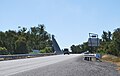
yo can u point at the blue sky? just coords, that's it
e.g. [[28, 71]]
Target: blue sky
[[69, 20]]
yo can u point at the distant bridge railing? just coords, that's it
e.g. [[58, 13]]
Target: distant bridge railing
[[22, 56]]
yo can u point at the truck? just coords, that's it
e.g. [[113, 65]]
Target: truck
[[66, 51]]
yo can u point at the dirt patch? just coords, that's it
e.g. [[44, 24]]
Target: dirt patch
[[112, 59], [118, 68]]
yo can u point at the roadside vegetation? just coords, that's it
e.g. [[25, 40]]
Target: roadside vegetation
[[109, 44], [109, 47], [24, 40], [112, 59]]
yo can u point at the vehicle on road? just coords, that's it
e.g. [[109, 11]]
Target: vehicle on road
[[66, 51]]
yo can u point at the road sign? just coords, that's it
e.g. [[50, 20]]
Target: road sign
[[93, 42]]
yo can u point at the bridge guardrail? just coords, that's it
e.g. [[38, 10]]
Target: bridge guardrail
[[21, 56]]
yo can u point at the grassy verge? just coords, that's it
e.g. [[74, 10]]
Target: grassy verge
[[1, 59], [112, 59]]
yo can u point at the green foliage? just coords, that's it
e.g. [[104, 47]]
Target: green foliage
[[106, 36], [23, 41], [39, 37], [47, 50], [116, 42], [75, 49], [3, 51], [111, 46], [80, 48], [105, 43], [21, 46], [42, 51], [101, 51]]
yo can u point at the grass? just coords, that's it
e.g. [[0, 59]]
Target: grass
[[1, 59], [112, 59]]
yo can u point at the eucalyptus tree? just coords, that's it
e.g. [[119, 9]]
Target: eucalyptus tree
[[2, 39], [10, 38], [21, 46], [23, 40], [105, 36], [116, 41], [39, 37]]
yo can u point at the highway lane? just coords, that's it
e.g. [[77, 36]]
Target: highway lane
[[11, 67], [68, 65]]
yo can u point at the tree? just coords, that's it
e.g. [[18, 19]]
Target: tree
[[111, 45], [116, 41], [109, 36], [15, 41], [21, 46], [39, 37], [104, 36], [73, 48], [106, 41], [2, 39], [10, 38], [76, 49]]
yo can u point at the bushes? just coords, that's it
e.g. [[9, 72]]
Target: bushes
[[3, 51], [21, 46], [23, 41], [101, 51], [46, 50]]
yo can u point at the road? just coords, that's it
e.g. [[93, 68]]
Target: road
[[60, 65]]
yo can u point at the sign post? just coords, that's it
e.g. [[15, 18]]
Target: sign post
[[93, 40]]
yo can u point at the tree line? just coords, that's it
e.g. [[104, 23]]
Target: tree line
[[109, 44], [24, 41]]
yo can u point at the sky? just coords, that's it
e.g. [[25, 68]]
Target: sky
[[70, 21]]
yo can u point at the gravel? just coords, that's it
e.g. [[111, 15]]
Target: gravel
[[74, 67]]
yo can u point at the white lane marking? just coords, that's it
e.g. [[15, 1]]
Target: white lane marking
[[26, 65]]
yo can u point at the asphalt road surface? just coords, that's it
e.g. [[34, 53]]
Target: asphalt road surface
[[60, 65]]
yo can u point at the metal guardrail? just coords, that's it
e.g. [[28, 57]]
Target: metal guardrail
[[92, 57], [89, 55], [21, 56]]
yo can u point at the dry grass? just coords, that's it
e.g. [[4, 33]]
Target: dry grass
[[1, 59], [113, 59]]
